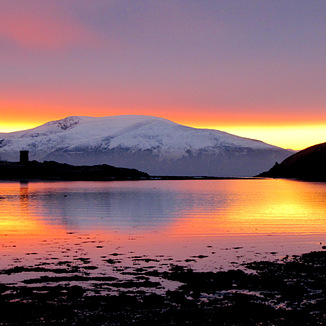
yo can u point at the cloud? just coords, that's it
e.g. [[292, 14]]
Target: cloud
[[42, 25]]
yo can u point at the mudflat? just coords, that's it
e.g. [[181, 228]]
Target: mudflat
[[290, 291]]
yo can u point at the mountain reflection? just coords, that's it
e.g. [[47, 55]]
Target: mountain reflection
[[182, 208], [133, 209]]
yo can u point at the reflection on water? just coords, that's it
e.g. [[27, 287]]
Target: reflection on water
[[198, 208], [174, 217], [110, 208]]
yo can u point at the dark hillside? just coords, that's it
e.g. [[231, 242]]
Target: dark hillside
[[308, 164]]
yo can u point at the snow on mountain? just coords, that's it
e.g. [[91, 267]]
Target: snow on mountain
[[153, 145]]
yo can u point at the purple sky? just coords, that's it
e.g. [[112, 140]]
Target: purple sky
[[201, 63]]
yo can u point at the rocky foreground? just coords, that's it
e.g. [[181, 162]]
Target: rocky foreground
[[287, 292]]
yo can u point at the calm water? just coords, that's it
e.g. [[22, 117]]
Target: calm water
[[203, 224]]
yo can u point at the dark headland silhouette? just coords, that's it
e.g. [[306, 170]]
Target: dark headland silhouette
[[50, 170], [308, 164]]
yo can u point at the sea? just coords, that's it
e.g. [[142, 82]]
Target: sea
[[118, 227]]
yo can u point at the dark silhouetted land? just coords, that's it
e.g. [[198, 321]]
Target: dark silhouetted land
[[308, 164], [50, 170]]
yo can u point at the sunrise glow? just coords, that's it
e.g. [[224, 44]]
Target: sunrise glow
[[294, 137], [289, 137]]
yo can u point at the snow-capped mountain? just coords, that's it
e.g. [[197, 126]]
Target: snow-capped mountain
[[153, 145]]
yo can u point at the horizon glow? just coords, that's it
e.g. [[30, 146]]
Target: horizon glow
[[286, 136]]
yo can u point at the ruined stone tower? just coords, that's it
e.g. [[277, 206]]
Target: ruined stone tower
[[23, 157]]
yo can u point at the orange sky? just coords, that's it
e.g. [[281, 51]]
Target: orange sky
[[290, 133]]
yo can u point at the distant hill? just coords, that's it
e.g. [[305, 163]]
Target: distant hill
[[150, 144], [63, 172], [308, 164]]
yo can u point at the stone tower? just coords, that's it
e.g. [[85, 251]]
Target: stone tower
[[24, 157]]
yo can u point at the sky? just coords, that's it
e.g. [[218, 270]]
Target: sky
[[249, 67]]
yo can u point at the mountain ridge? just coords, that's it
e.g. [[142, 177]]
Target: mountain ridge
[[155, 145]]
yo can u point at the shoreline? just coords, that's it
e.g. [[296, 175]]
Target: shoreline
[[33, 171], [154, 178], [289, 291], [54, 171]]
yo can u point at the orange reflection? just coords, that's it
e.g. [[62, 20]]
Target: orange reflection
[[263, 207], [16, 219], [214, 209]]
